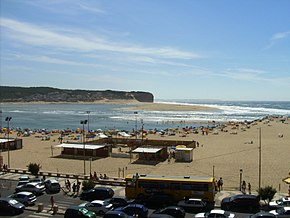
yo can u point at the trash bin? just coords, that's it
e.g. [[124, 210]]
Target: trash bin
[[40, 207], [55, 209]]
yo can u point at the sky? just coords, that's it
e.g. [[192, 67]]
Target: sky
[[175, 49]]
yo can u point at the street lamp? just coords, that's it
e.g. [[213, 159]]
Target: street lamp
[[83, 122], [241, 178], [88, 112], [8, 119]]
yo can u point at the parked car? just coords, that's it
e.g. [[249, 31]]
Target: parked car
[[26, 198], [37, 180], [32, 187], [134, 209], [241, 203], [97, 206], [22, 181], [119, 201], [215, 213], [78, 212], [116, 214], [282, 202], [98, 193], [159, 201], [52, 186], [281, 212], [262, 214], [24, 178], [175, 211], [193, 205], [153, 215], [10, 206]]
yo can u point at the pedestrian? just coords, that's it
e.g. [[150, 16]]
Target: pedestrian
[[216, 185], [95, 175], [244, 187], [74, 188], [78, 187], [249, 188], [221, 183], [52, 202], [68, 185]]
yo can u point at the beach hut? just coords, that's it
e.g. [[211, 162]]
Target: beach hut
[[77, 150], [13, 144], [151, 153], [183, 154]]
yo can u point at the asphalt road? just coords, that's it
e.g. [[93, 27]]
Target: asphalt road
[[63, 201]]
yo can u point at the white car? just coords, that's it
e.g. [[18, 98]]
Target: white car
[[26, 198], [98, 206], [281, 211], [215, 213], [282, 202]]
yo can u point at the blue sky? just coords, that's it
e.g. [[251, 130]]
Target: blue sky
[[175, 49]]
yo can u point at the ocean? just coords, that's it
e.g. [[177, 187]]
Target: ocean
[[107, 116]]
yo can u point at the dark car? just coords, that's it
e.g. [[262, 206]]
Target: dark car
[[119, 201], [52, 186], [78, 212], [193, 205], [11, 206], [134, 209], [175, 211], [159, 201], [263, 215], [241, 203], [99, 193], [116, 214]]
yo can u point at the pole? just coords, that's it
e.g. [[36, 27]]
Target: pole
[[83, 122], [88, 112], [213, 171], [260, 157], [241, 178], [8, 129]]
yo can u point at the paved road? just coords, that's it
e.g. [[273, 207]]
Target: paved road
[[8, 182]]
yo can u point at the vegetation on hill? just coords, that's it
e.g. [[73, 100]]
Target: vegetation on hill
[[48, 94]]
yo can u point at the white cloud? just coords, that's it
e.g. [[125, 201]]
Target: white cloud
[[40, 36], [282, 35]]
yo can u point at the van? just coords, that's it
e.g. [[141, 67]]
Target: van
[[241, 203]]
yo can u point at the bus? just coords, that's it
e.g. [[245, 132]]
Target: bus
[[179, 187]]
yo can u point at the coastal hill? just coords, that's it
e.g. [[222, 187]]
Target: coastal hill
[[48, 94]]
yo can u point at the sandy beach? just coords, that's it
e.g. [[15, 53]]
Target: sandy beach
[[223, 151]]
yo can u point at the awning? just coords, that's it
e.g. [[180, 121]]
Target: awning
[[147, 150], [79, 146]]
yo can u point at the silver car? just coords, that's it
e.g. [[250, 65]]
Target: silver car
[[32, 187], [98, 206]]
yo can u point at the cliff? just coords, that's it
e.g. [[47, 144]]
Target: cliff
[[48, 94]]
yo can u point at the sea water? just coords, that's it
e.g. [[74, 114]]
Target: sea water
[[107, 116]]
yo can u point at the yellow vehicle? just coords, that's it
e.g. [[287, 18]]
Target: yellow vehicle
[[179, 187]]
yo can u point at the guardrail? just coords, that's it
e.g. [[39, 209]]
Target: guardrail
[[118, 181]]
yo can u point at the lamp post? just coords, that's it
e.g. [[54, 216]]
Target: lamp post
[[260, 157], [8, 119], [83, 122], [88, 112], [241, 178]]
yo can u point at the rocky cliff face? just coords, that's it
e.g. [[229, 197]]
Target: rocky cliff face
[[47, 94]]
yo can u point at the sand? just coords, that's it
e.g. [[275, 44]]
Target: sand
[[219, 152]]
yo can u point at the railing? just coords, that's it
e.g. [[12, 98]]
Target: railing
[[118, 181]]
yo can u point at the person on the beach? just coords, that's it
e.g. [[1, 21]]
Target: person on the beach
[[220, 184]]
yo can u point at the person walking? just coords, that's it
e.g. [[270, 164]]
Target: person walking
[[52, 202], [244, 187], [249, 188]]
